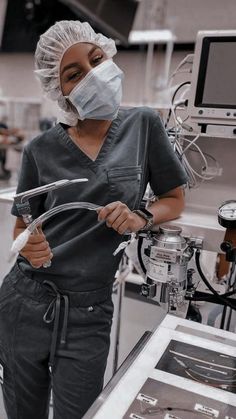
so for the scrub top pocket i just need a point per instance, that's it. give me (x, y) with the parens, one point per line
(124, 184)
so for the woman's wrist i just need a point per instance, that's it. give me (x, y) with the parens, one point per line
(147, 217)
(140, 222)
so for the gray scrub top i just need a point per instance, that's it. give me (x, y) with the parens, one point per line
(136, 151)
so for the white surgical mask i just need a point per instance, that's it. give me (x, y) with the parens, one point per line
(98, 95)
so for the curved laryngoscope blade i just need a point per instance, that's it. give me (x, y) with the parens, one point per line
(22, 203)
(22, 239)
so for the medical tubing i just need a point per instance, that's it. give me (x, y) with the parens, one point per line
(22, 239)
(206, 282)
(172, 100)
(64, 207)
(222, 322)
(223, 318)
(139, 250)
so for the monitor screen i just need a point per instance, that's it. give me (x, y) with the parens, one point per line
(212, 94)
(216, 85)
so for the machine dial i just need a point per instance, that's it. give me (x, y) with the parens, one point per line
(227, 214)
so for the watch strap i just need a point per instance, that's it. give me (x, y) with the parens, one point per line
(148, 216)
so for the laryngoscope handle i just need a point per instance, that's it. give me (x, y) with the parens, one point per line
(28, 219)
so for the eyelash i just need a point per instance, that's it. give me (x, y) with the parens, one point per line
(73, 76)
(95, 60)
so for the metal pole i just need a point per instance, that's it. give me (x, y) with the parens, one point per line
(148, 71)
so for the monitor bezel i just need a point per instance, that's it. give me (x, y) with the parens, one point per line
(204, 58)
(198, 112)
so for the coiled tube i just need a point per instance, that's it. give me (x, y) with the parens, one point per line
(22, 239)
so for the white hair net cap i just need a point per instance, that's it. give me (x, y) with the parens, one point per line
(50, 49)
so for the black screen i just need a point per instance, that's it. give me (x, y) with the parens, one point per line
(113, 17)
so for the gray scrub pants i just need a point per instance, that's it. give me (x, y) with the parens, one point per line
(41, 326)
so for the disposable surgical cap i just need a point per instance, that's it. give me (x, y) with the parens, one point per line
(53, 44)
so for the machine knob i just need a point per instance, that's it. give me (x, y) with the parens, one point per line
(148, 290)
(230, 251)
(226, 246)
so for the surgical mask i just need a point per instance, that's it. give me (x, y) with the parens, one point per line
(98, 95)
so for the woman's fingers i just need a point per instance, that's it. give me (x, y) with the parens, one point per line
(119, 217)
(37, 250)
(37, 262)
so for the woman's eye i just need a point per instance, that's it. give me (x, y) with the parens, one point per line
(97, 59)
(74, 75)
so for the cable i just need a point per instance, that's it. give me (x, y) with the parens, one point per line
(222, 322)
(223, 318)
(187, 60)
(139, 251)
(192, 181)
(189, 169)
(217, 165)
(205, 173)
(178, 126)
(178, 88)
(173, 98)
(220, 298)
(232, 274)
(192, 142)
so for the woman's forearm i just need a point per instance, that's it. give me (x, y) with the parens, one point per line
(166, 209)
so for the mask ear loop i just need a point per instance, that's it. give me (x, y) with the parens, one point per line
(71, 106)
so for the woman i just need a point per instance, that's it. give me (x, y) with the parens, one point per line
(119, 151)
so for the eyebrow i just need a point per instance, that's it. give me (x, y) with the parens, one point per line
(75, 64)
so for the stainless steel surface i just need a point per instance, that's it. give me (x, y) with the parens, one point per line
(115, 401)
(169, 237)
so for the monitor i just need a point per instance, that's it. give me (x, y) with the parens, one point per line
(212, 97)
(114, 18)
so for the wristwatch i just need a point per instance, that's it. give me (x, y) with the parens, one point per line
(148, 216)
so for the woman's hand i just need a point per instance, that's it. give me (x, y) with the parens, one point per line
(119, 217)
(37, 250)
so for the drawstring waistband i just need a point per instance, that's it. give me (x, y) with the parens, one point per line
(48, 292)
(53, 313)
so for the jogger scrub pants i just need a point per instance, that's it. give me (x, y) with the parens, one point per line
(51, 339)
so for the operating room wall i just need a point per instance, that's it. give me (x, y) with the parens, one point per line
(185, 17)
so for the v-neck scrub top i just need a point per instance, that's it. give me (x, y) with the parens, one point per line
(135, 151)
